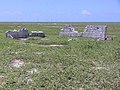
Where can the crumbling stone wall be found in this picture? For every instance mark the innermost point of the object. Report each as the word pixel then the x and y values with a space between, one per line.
pixel 22 33
pixel 69 31
pixel 96 32
pixel 90 31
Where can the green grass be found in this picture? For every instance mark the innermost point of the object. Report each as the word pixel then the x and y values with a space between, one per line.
pixel 83 64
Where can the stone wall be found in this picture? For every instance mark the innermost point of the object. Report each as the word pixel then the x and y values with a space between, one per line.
pixel 22 33
pixel 90 31
pixel 96 32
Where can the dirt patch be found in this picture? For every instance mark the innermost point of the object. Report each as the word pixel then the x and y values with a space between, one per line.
pixel 1 80
pixel 33 71
pixel 17 63
pixel 81 89
pixel 23 39
pixel 30 81
pixel 19 52
pixel 38 53
pixel 46 44
pixel 51 45
pixel 99 68
pixel 55 45
pixel 72 39
pixel 96 65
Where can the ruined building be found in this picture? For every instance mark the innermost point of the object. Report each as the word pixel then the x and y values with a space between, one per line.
pixel 90 31
pixel 24 33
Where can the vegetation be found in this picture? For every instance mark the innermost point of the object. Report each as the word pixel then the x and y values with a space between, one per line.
pixel 81 64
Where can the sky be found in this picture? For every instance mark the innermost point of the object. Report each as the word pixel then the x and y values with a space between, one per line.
pixel 60 11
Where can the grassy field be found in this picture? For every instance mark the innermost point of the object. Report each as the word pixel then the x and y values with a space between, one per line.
pixel 82 64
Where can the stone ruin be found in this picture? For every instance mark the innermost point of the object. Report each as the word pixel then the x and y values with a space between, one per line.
pixel 37 33
pixel 98 32
pixel 23 33
pixel 68 31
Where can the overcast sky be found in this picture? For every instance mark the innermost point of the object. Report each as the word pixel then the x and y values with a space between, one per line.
pixel 59 10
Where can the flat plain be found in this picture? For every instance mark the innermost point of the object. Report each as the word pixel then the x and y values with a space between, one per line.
pixel 54 63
